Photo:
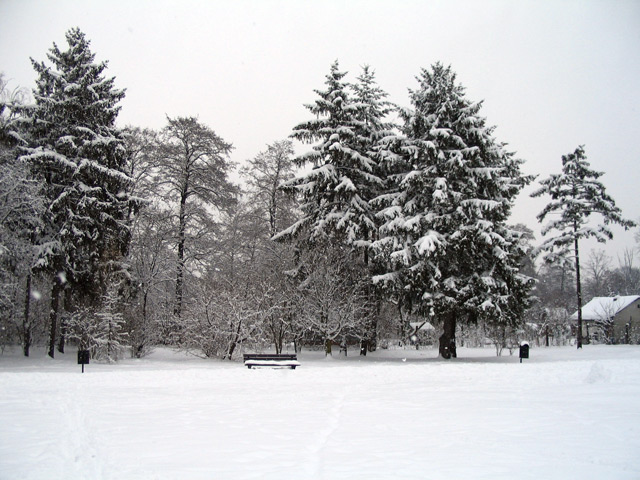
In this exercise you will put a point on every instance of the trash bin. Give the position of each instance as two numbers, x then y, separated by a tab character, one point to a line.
83	357
524	351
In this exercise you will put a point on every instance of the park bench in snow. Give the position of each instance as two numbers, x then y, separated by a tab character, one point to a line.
271	360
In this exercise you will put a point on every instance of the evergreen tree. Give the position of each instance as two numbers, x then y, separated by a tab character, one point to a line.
445	242
335	193
110	335
101	329
77	153
576	194
373	135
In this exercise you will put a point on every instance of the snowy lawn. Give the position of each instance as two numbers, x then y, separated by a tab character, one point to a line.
562	414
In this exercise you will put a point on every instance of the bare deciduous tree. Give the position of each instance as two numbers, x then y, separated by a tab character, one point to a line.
192	168
333	295
598	268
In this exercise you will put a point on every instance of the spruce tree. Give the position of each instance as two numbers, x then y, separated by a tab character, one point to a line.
77	152
447	248
576	194
110	336
345	176
373	133
335	193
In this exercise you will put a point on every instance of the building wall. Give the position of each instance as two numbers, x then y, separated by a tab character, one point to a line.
627	316
590	331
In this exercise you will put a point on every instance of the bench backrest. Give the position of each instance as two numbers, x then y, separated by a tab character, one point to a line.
270	356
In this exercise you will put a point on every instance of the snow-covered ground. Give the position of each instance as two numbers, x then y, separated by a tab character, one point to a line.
405	414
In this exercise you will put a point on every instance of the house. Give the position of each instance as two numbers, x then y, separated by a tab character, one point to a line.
422	333
612	319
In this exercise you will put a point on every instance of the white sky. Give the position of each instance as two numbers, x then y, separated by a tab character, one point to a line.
553	74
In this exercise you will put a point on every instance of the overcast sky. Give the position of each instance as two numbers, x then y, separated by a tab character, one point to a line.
553	74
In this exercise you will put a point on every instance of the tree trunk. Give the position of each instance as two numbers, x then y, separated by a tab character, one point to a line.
578	287
177	309
372	338
546	336
63	335
447	347
26	323
273	222
56	289
327	348
235	341
140	337
63	324
278	334
277	342
145	298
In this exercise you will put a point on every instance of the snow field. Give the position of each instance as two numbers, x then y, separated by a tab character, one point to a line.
562	414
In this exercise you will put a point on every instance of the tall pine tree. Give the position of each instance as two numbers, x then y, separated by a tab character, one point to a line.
445	242
576	195
345	176
335	193
77	152
373	132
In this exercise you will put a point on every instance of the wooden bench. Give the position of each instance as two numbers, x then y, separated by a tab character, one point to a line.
271	360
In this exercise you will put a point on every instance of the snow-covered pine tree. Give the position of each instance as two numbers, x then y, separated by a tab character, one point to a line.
334	193
448	250
344	176
576	194
82	327
77	152
110	334
376	135
373	134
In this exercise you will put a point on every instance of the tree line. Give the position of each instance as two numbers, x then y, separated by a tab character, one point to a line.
128	238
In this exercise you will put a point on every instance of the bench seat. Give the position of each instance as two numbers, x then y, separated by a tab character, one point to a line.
271	360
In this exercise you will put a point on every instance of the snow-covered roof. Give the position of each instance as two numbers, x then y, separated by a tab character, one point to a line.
421	326
600	308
